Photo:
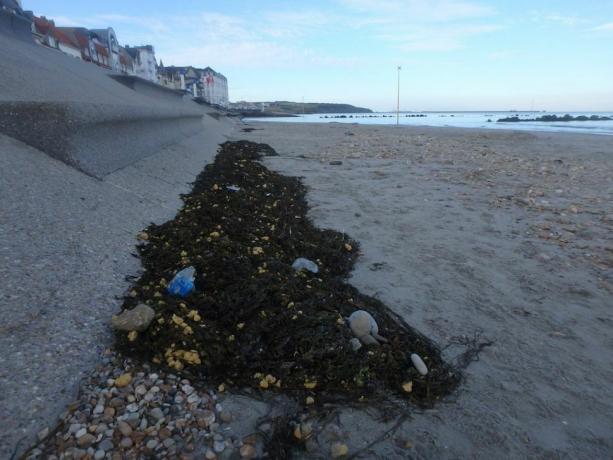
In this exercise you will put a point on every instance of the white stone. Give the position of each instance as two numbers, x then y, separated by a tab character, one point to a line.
419	364
365	328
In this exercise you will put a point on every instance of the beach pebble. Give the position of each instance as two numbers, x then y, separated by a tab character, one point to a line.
123	380
152	444
219	446
365	328
126	443
137	319
419	364
156	413
355	344
106	445
86	440
124	428
248	451
42	434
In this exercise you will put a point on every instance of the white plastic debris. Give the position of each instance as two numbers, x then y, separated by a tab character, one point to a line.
233	188
305	264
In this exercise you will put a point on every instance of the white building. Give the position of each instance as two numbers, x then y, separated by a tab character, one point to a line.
145	65
108	38
214	87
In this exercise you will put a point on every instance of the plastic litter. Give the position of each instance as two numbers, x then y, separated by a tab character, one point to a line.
233	188
305	264
183	282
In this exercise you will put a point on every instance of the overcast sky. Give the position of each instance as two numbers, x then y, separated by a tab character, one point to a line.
455	54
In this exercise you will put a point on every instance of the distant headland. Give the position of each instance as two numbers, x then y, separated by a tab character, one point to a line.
285	108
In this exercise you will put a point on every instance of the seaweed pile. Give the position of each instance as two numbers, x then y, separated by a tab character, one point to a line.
254	321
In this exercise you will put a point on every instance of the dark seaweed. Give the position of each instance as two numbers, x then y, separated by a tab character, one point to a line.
258	316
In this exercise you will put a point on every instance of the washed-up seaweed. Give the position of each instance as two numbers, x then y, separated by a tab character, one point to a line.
254	321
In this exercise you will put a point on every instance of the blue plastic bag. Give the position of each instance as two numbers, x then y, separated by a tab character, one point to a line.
183	283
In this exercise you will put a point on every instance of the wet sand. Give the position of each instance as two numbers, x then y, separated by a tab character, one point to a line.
504	234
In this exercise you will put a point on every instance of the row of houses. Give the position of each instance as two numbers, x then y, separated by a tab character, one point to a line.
101	47
98	46
204	84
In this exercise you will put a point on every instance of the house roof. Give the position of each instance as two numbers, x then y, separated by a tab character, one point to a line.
64	38
79	35
43	25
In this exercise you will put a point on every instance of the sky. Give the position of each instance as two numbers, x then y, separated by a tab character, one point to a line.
554	55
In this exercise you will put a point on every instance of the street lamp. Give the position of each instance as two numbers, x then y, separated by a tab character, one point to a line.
398	100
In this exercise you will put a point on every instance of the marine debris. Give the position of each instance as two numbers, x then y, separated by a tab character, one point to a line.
252	320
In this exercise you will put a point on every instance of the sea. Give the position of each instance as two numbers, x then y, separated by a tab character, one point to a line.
486	120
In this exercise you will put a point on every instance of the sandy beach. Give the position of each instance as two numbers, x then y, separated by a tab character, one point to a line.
506	235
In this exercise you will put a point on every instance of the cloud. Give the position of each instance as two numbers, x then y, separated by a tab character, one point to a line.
441	39
606	27
564	20
422	10
422	25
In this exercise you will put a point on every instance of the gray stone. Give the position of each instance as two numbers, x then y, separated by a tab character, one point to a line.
219	446
419	364
124	428
86	440
156	413
126	443
225	416
106	445
137	319
169	442
152	444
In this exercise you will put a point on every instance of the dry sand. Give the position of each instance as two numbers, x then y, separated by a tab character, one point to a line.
467	231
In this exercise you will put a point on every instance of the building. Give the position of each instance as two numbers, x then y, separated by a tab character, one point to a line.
126	62
206	84
45	33
92	50
214	87
145	64
108	39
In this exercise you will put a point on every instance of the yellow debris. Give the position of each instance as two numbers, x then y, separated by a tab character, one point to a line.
193	315
338	450
408	387
303	431
132	336
123	380
348	247
309	385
